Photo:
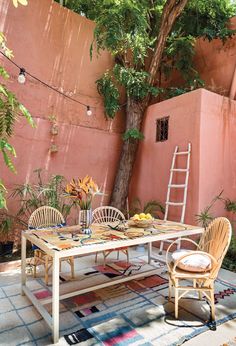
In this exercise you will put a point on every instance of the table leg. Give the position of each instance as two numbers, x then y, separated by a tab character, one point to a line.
23	263
149	253
55	298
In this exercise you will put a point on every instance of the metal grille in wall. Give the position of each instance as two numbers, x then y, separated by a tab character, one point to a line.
162	129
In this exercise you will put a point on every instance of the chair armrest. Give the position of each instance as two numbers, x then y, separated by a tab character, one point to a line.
213	260
174	242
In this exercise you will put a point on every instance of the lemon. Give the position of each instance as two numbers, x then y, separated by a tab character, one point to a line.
148	216
142	216
136	217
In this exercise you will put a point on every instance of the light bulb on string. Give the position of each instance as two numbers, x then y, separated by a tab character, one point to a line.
21	77
89	112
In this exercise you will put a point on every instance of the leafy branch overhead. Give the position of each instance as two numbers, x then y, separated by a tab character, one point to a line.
135	83
129	31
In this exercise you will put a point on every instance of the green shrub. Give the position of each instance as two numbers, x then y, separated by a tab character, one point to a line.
153	207
51	193
230	258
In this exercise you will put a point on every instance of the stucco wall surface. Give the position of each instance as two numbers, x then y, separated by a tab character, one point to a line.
53	44
208	122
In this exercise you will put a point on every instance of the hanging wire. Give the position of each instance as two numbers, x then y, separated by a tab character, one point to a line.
52	88
45	84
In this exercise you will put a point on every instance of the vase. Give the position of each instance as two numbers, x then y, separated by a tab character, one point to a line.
85	220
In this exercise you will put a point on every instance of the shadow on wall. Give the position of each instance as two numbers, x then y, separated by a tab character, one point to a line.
53	43
57	51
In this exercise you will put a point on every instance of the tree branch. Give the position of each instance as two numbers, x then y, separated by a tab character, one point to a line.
171	12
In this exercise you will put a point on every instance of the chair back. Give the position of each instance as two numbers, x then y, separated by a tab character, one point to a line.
107	214
45	217
216	239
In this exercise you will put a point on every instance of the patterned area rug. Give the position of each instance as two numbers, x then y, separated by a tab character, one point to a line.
136	313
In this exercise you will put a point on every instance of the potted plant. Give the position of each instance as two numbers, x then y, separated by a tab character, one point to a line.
50	193
6	245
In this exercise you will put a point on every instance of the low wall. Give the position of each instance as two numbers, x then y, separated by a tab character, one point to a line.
208	122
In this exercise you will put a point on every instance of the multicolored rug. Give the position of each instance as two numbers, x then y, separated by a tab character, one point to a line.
136	313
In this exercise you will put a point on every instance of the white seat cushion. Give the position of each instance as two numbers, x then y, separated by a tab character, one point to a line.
193	263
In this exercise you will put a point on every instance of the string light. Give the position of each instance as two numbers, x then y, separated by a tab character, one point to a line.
89	112
21	77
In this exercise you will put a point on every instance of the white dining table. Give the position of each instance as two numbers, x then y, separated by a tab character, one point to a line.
102	239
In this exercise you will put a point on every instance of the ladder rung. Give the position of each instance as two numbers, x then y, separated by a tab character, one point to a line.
179	170
175	203
182	153
178	186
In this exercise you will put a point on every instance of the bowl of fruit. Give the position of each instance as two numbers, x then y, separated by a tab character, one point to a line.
141	220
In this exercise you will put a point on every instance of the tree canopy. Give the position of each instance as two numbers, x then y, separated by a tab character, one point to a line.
149	39
128	29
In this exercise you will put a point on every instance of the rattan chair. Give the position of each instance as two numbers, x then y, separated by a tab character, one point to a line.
47	217
106	215
214	243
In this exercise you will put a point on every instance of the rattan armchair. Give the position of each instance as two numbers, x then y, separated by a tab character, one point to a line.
44	217
214	244
106	215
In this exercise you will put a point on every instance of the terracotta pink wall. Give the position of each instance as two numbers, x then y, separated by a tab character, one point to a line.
79	153
216	62
217	149
53	44
205	119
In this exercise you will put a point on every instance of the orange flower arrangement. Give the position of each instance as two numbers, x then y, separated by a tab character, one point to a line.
83	191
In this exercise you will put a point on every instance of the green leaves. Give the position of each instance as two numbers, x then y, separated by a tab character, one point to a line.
154	207
205	216
106	87
122	27
128	30
10	110
3	74
4	47
133	134
207	19
51	193
135	82
3	192
7	148
27	115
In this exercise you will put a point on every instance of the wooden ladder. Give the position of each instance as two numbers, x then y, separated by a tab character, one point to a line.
177	186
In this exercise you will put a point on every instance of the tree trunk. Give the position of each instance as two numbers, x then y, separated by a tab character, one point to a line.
134	118
171	12
135	109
